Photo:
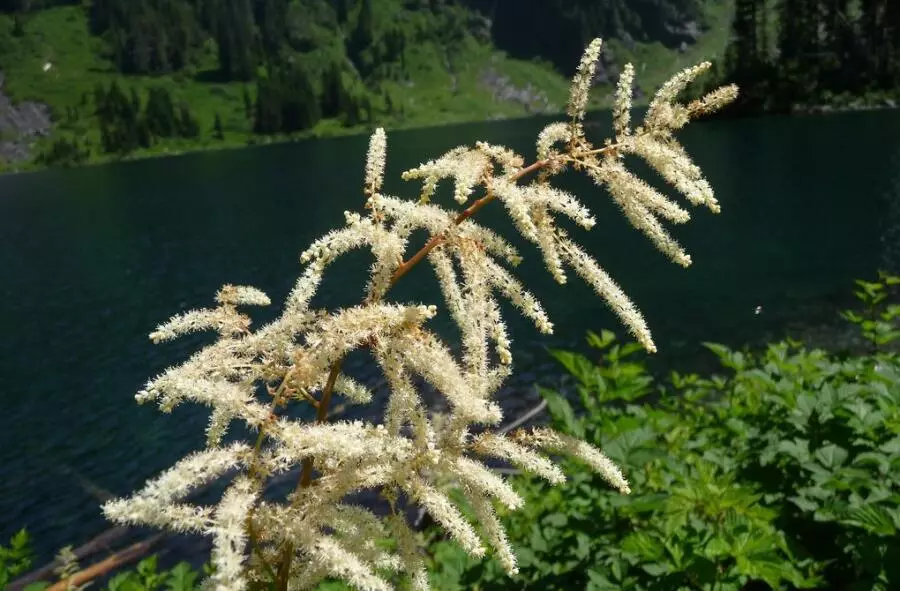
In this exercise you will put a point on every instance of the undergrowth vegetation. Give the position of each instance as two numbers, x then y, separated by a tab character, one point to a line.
781	472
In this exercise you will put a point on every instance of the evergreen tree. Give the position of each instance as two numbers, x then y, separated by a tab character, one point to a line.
285	102
744	53
235	37
159	114
363	33
271	18
188	127
300	107
121	126
218	131
340	8
147	36
267	115
248	104
335	99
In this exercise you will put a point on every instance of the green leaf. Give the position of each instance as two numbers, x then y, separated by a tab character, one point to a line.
602	341
717	548
721	351
643	545
831	456
19	541
576	364
182	578
598	582
873	458
562	412
583	545
871	518
558	520
796	448
805	503
892	446
656	569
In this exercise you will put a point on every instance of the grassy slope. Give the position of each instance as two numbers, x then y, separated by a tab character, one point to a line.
655	63
60	36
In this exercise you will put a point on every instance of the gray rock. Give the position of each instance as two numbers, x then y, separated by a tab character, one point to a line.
687	32
20	125
531	98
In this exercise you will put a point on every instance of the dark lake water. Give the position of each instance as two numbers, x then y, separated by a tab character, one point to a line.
91	260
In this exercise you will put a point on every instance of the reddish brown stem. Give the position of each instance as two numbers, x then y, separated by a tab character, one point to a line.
403	269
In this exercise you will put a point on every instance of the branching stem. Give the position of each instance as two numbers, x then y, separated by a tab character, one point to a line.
324	403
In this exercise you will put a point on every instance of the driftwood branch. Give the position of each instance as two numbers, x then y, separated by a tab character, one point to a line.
105	540
129	554
524	418
102	542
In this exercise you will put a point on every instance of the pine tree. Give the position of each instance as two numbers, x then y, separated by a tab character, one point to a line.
300	107
159	114
363	33
187	123
218	131
235	36
340	8
248	104
267	110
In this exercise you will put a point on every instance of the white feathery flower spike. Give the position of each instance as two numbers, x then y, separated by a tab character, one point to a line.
258	378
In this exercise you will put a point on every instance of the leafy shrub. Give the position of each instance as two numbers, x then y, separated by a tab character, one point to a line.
15	559
782	474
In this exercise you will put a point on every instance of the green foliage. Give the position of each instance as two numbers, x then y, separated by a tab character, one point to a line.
126	125
16	558
877	318
65	151
784	472
146	577
285	102
147	36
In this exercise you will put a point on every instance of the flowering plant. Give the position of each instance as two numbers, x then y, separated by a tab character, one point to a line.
252	376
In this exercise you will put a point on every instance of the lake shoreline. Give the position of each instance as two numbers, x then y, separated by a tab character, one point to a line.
332	133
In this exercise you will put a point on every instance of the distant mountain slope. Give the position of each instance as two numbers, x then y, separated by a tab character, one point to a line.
143	77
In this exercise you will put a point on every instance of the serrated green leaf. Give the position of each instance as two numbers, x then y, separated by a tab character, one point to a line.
555	520
601	341
598	582
831	456
562	412
872	518
716	548
643	545
804	503
796	448
657	569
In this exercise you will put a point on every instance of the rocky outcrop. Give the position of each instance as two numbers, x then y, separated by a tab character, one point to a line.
531	98
20	125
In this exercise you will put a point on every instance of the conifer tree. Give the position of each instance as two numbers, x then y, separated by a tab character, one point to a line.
340	8
218	130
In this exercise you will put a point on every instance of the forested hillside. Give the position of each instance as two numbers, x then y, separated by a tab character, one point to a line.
132	77
88	80
790	53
